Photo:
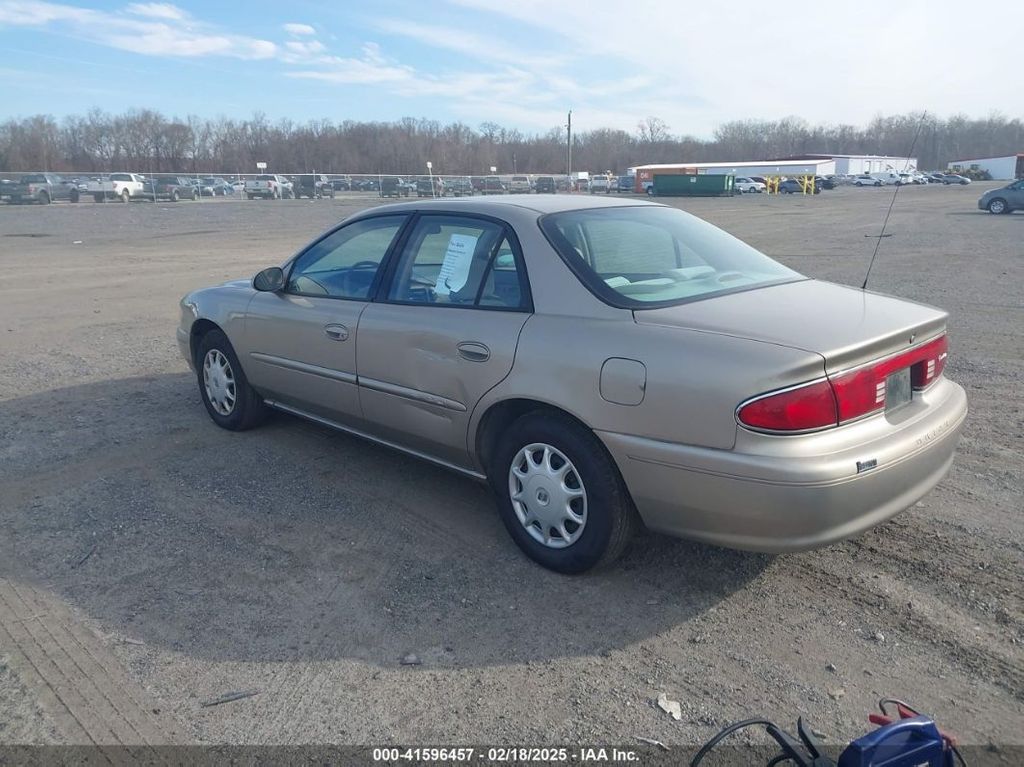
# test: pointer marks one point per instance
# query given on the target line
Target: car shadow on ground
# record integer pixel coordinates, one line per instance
(294, 541)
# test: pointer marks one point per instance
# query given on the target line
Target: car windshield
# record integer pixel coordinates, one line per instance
(642, 256)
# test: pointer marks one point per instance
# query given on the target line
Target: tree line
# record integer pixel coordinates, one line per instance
(144, 140)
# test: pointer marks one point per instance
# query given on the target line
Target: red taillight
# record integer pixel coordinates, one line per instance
(845, 396)
(862, 391)
(933, 362)
(806, 407)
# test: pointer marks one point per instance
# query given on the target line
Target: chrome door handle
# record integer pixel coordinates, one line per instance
(473, 351)
(336, 332)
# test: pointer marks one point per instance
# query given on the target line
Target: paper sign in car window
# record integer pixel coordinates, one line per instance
(455, 267)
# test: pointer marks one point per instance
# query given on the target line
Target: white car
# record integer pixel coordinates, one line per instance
(866, 179)
(745, 185)
(602, 184)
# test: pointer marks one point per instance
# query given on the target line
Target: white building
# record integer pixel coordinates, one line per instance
(803, 167)
(1000, 168)
(857, 164)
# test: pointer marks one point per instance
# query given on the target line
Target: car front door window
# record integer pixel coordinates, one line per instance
(453, 260)
(344, 264)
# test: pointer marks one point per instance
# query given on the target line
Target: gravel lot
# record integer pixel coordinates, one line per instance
(150, 562)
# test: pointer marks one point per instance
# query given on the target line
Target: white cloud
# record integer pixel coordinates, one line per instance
(298, 30)
(312, 48)
(461, 40)
(159, 33)
(157, 11)
(699, 64)
(372, 68)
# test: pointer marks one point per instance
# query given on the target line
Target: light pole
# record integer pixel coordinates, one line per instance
(430, 171)
(568, 149)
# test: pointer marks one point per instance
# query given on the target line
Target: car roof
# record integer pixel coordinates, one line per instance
(541, 204)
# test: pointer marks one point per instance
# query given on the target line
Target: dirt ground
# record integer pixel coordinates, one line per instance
(151, 562)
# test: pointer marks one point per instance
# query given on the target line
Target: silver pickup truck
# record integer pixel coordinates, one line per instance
(42, 188)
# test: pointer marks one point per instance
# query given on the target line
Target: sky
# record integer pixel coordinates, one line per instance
(519, 63)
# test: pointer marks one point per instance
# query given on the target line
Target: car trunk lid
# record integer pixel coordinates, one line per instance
(846, 326)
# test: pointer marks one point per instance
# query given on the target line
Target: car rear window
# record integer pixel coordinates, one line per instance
(647, 256)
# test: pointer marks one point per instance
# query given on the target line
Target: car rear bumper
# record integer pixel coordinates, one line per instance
(790, 497)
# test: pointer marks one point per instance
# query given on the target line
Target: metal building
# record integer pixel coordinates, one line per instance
(790, 168)
(857, 164)
(1000, 168)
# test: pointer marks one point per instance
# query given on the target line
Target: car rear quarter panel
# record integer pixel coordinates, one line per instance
(694, 380)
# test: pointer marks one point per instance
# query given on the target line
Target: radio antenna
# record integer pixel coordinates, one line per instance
(881, 235)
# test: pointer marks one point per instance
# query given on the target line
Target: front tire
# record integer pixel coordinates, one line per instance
(997, 206)
(230, 401)
(560, 494)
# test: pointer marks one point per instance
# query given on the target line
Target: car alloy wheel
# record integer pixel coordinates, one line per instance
(547, 495)
(997, 206)
(219, 380)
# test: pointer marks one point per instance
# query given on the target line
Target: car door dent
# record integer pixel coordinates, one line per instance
(416, 395)
(304, 367)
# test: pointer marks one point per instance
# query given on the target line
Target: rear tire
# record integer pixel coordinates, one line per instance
(44, 198)
(73, 197)
(125, 195)
(174, 195)
(230, 401)
(609, 519)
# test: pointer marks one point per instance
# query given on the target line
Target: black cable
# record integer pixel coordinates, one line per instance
(959, 756)
(725, 732)
(897, 702)
(896, 191)
(779, 760)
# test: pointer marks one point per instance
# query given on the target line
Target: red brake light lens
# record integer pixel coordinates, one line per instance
(846, 396)
(862, 391)
(806, 407)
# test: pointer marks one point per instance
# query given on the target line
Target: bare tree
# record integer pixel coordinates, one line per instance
(145, 140)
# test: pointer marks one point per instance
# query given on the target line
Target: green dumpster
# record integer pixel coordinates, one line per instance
(687, 185)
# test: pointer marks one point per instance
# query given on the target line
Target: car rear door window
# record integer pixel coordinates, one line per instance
(459, 261)
(344, 263)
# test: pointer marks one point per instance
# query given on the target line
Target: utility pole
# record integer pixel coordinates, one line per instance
(568, 147)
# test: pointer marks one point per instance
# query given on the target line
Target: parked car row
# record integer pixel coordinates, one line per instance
(44, 188)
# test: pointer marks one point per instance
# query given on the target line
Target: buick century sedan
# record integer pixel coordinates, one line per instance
(602, 364)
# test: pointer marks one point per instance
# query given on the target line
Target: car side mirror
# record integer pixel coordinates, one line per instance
(269, 280)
